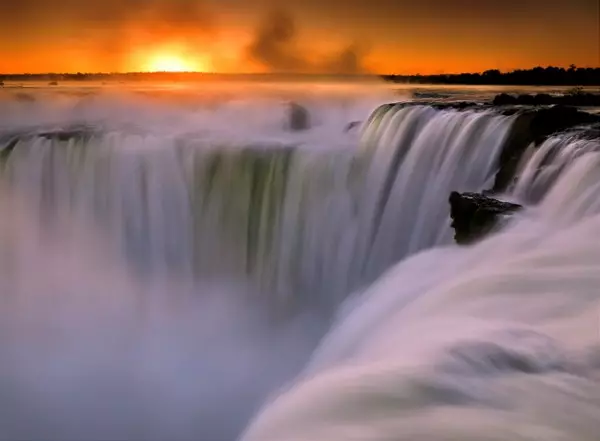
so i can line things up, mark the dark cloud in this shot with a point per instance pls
(277, 46)
(274, 44)
(349, 61)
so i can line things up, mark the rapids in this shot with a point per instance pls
(169, 261)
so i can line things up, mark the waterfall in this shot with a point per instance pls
(494, 341)
(540, 167)
(293, 219)
(164, 272)
(424, 153)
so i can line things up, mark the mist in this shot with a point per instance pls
(91, 350)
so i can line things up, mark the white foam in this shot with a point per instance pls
(490, 342)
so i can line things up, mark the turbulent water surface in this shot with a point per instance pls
(181, 263)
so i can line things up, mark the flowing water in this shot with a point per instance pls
(171, 258)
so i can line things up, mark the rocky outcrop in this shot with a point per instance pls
(579, 99)
(352, 125)
(7, 146)
(531, 125)
(446, 105)
(299, 118)
(534, 126)
(474, 215)
(67, 134)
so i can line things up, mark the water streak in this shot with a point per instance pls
(495, 341)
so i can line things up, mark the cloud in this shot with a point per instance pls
(349, 61)
(277, 47)
(103, 34)
(274, 44)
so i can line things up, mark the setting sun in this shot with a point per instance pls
(171, 63)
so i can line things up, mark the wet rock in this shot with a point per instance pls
(504, 99)
(578, 99)
(527, 100)
(543, 99)
(6, 148)
(557, 119)
(457, 105)
(299, 118)
(430, 95)
(592, 132)
(67, 134)
(474, 215)
(534, 126)
(351, 126)
(448, 105)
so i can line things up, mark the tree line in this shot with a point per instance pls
(538, 76)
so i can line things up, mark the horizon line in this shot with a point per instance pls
(355, 74)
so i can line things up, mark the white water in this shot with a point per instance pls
(497, 341)
(169, 266)
(268, 212)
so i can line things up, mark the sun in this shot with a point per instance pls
(171, 63)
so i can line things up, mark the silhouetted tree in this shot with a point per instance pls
(550, 75)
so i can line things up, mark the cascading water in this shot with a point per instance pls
(496, 341)
(264, 212)
(145, 254)
(542, 166)
(424, 154)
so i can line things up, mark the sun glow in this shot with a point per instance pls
(169, 63)
(172, 63)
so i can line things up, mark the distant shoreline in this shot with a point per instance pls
(174, 76)
(539, 76)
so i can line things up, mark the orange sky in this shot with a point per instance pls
(333, 36)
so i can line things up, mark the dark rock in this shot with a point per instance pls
(8, 147)
(351, 126)
(579, 99)
(543, 99)
(504, 99)
(592, 132)
(461, 105)
(582, 99)
(474, 215)
(53, 83)
(1, 83)
(430, 95)
(557, 119)
(449, 105)
(299, 118)
(67, 134)
(526, 100)
(518, 139)
(534, 126)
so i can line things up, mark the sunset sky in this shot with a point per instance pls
(332, 36)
